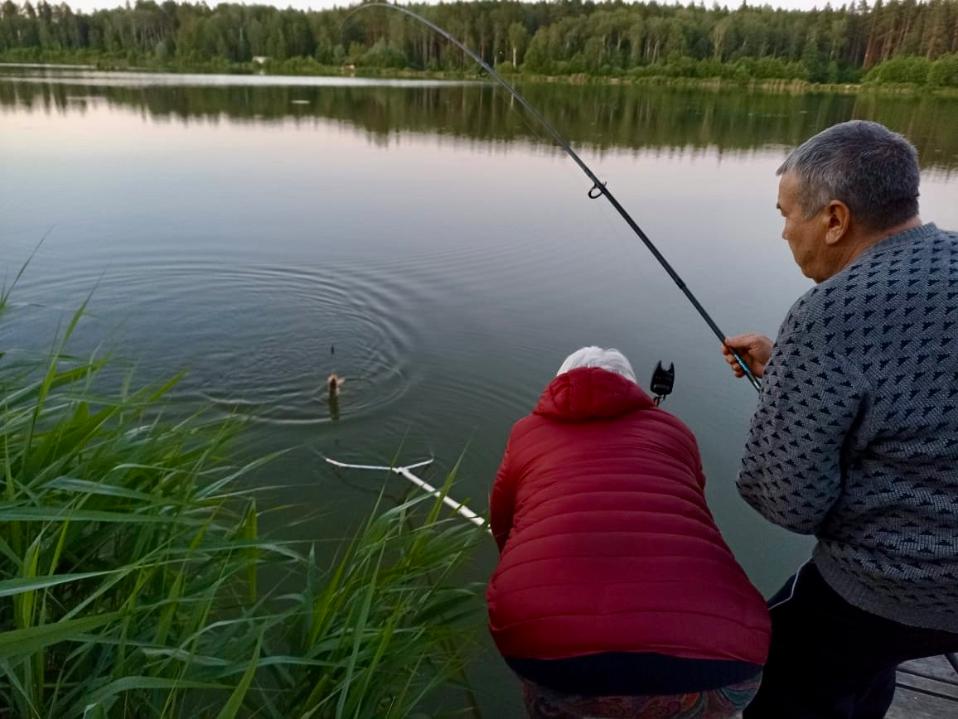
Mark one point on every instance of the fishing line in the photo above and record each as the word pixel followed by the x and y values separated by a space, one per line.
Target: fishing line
pixel 598 189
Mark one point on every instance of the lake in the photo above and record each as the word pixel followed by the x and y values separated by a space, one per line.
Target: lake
pixel 424 241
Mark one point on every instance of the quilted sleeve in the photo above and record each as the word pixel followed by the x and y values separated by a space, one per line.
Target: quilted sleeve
pixel 502 501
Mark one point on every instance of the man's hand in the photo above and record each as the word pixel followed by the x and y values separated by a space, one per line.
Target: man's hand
pixel 754 348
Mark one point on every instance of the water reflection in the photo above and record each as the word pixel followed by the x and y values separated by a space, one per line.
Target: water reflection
pixel 244 230
pixel 600 117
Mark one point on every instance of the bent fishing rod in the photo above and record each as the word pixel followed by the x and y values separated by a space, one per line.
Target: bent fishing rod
pixel 599 189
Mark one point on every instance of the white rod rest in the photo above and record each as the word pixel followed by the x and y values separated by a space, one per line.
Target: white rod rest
pixel 406 472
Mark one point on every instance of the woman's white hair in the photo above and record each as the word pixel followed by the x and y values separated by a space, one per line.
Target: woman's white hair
pixel 607 359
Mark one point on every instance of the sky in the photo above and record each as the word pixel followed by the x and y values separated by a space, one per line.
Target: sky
pixel 87 5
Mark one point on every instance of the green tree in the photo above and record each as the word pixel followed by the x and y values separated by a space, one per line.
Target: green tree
pixel 562 37
pixel 944 72
pixel 518 39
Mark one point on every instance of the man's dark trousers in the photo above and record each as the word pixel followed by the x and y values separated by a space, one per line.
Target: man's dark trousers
pixel 831 660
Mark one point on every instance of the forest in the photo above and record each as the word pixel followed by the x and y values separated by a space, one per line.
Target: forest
pixel 902 41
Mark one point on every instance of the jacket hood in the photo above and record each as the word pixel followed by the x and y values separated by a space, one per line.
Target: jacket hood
pixel 590 393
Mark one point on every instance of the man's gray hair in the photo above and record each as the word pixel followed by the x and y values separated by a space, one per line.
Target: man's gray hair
pixel 863 164
pixel 607 359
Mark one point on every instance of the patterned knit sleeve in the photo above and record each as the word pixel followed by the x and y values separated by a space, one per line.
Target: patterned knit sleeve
pixel 810 400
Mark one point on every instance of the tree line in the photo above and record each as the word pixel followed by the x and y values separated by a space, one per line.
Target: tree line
pixel 897 41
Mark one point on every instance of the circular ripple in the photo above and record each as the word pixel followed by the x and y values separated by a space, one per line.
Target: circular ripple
pixel 258 341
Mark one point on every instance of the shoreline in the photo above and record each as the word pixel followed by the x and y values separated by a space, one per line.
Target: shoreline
pixel 308 68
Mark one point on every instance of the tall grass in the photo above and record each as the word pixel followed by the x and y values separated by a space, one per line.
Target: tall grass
pixel 135 582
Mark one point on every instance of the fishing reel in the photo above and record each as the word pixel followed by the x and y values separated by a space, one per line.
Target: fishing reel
pixel 662 382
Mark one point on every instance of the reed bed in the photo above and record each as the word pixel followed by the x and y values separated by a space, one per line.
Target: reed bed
pixel 135 581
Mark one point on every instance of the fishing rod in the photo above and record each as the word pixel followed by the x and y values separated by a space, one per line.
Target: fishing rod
pixel 599 188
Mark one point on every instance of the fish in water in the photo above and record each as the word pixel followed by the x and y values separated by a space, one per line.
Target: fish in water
pixel 333 383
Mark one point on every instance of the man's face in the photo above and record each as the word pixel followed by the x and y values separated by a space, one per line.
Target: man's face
pixel 805 235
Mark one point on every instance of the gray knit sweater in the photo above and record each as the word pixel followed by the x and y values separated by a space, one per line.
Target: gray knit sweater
pixel 855 439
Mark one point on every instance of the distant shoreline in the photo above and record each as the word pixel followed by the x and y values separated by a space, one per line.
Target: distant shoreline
pixel 311 69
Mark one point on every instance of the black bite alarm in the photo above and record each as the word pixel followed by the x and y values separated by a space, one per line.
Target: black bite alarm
pixel 662 382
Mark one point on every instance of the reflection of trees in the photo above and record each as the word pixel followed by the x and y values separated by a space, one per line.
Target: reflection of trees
pixel 596 116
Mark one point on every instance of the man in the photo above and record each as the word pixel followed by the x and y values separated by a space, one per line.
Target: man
pixel 855 438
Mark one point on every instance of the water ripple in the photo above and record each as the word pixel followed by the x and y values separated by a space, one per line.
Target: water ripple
pixel 260 340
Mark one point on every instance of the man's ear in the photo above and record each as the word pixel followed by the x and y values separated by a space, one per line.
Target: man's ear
pixel 837 219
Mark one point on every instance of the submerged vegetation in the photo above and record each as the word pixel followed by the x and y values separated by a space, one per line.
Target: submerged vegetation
pixel 846 44
pixel 135 581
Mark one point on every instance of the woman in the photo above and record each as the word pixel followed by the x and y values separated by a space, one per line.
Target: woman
pixel 615 595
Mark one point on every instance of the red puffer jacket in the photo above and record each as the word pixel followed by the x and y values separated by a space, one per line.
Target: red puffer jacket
pixel 606 542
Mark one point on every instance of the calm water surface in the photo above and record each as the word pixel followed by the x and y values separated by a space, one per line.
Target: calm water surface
pixel 246 227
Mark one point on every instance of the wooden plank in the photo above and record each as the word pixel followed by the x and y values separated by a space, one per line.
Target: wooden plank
pixel 927 689
pixel 936 667
pixel 912 705
pixel 932 687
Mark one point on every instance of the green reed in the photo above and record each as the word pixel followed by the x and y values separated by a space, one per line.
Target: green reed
pixel 133 571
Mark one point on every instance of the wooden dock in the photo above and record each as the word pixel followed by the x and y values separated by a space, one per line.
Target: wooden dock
pixel 927 689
